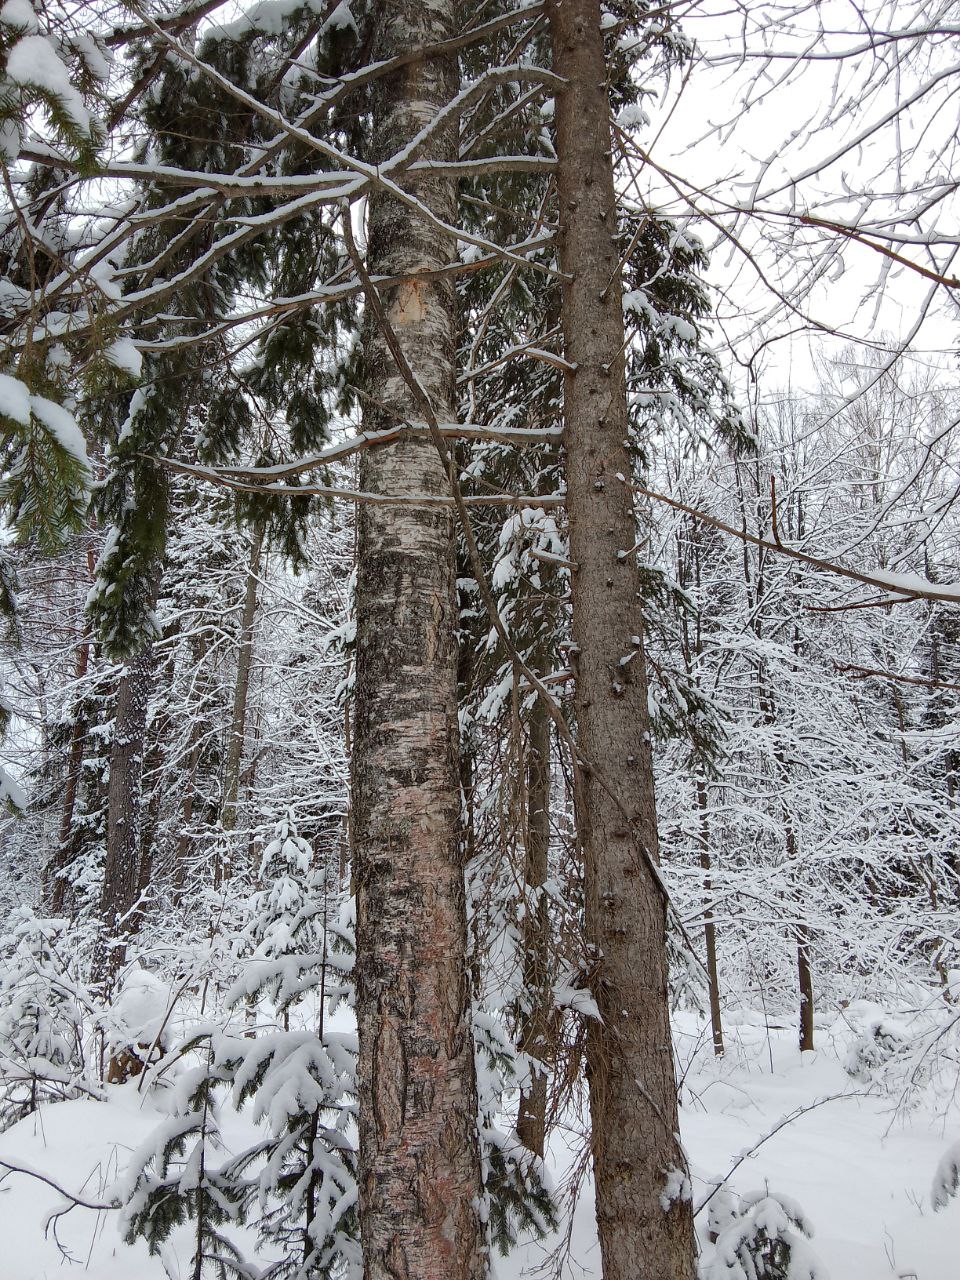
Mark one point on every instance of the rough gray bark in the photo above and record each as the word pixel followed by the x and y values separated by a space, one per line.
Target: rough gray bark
pixel 633 1100
pixel 535 1027
pixel 805 979
pixel 185 839
pixel 58 890
pixel 238 718
pixel 419 1183
pixel 121 873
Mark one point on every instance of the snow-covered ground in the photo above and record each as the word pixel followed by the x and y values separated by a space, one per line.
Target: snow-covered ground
pixel 860 1166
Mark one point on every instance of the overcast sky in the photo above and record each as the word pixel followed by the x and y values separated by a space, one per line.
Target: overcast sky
pixel 765 131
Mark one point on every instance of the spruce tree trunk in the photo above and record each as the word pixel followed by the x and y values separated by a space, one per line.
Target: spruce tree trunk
pixel 804 971
pixel 805 979
pixel 185 839
pixel 58 891
pixel 535 1027
pixel 238 719
pixel 419 1175
pixel 121 873
pixel 638 1162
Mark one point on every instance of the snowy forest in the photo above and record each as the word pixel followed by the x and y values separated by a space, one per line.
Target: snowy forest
pixel 479 640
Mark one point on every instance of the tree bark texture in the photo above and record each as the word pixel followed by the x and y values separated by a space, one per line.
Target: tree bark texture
pixel 420 1182
pixel 805 982
pixel 645 1229
pixel 236 737
pixel 58 891
pixel 241 689
pixel 709 922
pixel 121 873
pixel 535 1026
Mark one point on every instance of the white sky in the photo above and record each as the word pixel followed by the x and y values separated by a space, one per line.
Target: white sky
pixel 705 135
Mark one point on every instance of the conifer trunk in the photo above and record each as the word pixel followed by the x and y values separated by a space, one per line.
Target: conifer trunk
pixel 645 1229
pixel 419 1174
pixel 238 718
pixel 58 890
pixel 805 979
pixel 236 735
pixel 534 1038
pixel 121 872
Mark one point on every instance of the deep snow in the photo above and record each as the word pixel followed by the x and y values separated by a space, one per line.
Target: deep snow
pixel 860 1166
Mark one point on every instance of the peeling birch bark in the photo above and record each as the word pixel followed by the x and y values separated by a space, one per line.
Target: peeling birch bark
pixel 419 1183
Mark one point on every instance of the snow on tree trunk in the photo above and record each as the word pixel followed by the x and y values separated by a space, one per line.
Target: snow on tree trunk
pixel 420 1182
pixel 238 718
pixel 535 1031
pixel 121 872
pixel 58 887
pixel 805 980
pixel 709 922
pixel 643 1213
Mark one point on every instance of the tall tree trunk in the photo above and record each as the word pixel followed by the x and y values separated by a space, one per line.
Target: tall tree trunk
pixel 241 689
pixel 802 935
pixel 419 1176
pixel 535 1027
pixel 805 979
pixel 185 839
pixel 59 891
pixel 121 873
pixel 709 924
pixel 57 888
pixel 238 718
pixel 638 1163
pixel 150 821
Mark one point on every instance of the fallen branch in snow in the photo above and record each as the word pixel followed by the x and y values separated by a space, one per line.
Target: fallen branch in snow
pixel 73 1202
pixel 76 1202
pixel 781 1124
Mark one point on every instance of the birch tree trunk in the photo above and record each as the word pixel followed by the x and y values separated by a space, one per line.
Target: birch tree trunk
pixel 645 1228
pixel 419 1184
